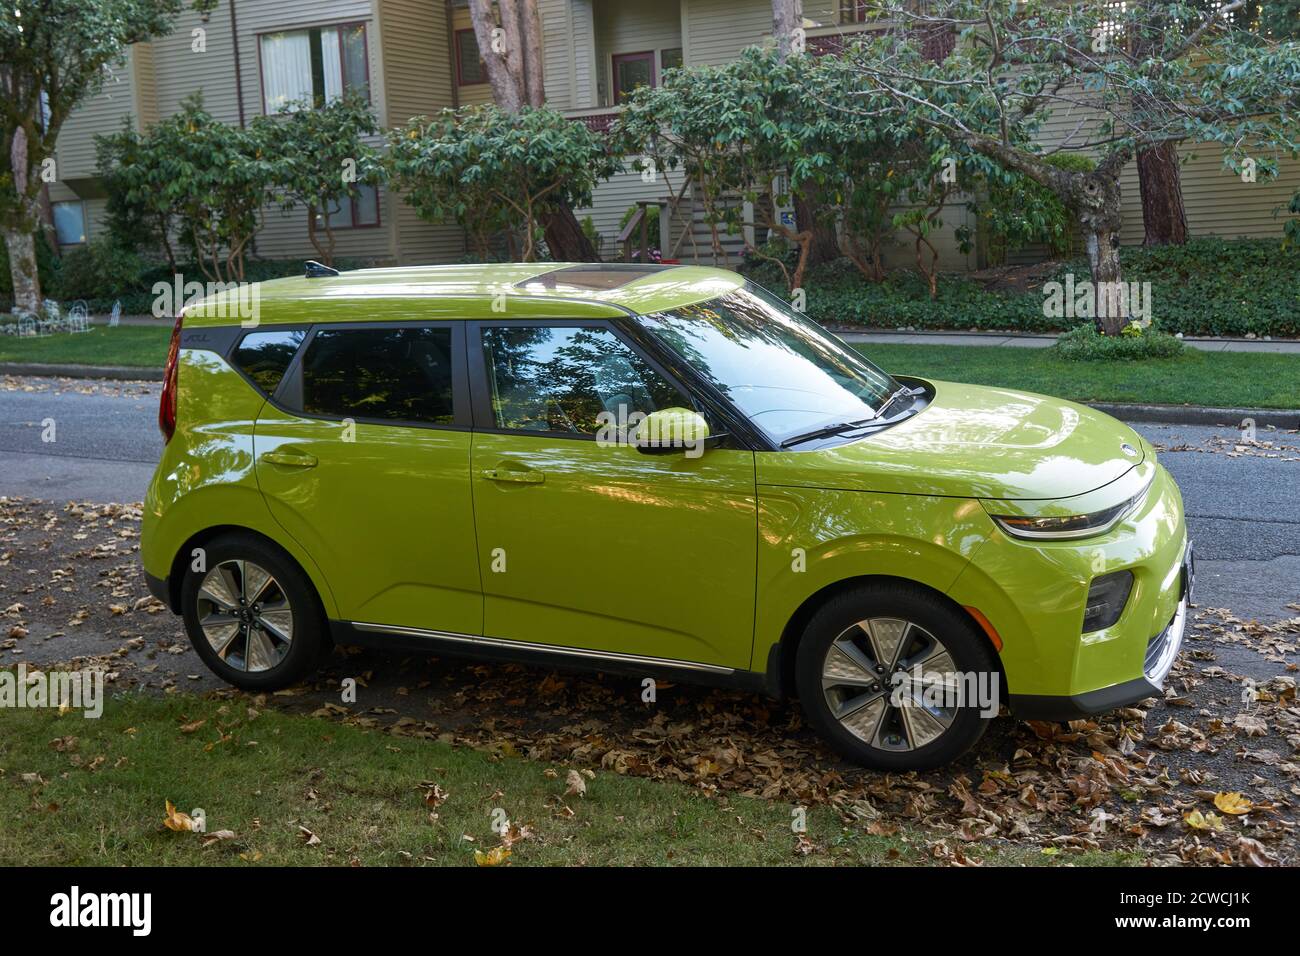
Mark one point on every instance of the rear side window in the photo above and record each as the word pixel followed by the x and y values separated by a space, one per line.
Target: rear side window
pixel 264 356
pixel 389 374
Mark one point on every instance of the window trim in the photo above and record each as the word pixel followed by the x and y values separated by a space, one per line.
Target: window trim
pixel 480 385
pixel 287 397
pixel 614 59
pixel 460 76
pixel 343 65
pixel 85 222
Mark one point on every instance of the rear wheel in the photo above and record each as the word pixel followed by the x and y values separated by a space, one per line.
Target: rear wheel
pixel 895 679
pixel 252 614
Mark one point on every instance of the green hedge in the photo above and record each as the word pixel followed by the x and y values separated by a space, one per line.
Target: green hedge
pixel 1207 287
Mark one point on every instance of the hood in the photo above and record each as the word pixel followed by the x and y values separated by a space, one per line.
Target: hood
pixel 973 442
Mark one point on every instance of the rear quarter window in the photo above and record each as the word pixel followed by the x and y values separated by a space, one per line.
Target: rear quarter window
pixel 264 356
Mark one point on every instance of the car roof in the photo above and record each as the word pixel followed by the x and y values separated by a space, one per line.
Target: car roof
pixel 487 291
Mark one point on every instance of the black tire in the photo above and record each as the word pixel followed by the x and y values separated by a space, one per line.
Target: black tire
pixel 939 622
pixel 309 631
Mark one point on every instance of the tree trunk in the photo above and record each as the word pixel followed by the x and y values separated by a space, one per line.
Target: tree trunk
pixel 531 28
pixel 507 87
pixel 565 238
pixel 1103 259
pixel 1095 197
pixel 1164 219
pixel 21 226
pixel 787 16
pixel 22 268
pixel 824 245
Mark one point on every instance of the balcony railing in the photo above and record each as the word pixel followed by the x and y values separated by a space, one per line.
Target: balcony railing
pixel 597 120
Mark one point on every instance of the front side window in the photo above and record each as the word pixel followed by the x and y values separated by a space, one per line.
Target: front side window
pixel 70 222
pixel 265 356
pixel 314 66
pixel 561 379
pixel 400 375
pixel 784 372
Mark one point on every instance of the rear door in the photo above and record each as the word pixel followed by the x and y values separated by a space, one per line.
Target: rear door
pixel 593 546
pixel 363 456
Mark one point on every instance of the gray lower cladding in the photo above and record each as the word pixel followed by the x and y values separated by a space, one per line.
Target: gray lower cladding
pixel 396 637
pixel 1162 649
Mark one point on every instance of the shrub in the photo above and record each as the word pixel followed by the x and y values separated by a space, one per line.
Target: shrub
pixel 1135 343
pixel 98 269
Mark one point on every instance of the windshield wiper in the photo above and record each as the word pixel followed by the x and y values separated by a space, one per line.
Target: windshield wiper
pixel 901 390
pixel 826 430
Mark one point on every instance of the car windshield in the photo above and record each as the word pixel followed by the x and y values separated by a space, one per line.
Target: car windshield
pixel 786 373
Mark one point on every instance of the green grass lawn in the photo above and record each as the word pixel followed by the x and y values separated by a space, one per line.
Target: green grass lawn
pixel 1232 379
pixel 134 345
pixel 265 775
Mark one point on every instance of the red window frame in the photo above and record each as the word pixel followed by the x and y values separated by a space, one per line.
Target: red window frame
pixel 460 65
pixel 616 58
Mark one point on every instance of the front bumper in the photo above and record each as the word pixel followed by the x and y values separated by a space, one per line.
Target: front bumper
pixel 1034 593
pixel 1162 650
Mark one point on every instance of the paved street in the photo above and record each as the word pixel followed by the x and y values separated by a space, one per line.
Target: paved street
pixel 1243 507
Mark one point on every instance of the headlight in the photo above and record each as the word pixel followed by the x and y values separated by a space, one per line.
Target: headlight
pixel 1106 599
pixel 1072 526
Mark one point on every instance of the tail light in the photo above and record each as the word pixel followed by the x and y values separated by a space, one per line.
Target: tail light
pixel 167 404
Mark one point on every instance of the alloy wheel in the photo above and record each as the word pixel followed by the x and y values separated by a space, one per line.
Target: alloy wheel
pixel 245 615
pixel 891 683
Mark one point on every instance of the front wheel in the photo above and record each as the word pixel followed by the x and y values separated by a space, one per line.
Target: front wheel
pixel 895 679
pixel 252 614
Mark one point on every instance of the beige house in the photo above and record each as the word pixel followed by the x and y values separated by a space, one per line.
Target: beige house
pixel 417 56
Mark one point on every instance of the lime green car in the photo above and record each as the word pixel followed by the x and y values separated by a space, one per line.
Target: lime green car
pixel 660 471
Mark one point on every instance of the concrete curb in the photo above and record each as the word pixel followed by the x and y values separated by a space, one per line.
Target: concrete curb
pixel 1167 414
pixel 1286 418
pixel 114 372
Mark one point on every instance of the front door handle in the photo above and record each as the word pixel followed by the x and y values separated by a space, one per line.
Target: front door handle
pixel 523 477
pixel 292 459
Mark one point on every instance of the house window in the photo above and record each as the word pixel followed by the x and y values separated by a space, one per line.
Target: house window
pixel 356 212
pixel 70 222
pixel 632 70
pixel 314 66
pixel 670 59
pixel 470 69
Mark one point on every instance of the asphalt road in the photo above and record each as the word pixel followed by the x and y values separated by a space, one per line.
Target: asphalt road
pixel 1243 507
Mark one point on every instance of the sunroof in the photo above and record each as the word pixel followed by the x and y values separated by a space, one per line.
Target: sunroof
pixel 593 277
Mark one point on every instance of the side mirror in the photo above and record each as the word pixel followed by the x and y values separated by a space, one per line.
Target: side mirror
pixel 670 430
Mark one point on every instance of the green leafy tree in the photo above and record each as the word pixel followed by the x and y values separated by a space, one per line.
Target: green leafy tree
pixel 319 159
pixel 197 178
pixel 748 133
pixel 1208 79
pixel 484 167
pixel 53 56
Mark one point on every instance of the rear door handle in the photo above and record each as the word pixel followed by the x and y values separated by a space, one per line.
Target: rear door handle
pixel 523 477
pixel 291 459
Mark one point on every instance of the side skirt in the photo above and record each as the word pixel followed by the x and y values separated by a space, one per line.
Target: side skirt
pixel 443 643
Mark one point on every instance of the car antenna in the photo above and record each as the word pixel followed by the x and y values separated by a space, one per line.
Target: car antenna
pixel 317 270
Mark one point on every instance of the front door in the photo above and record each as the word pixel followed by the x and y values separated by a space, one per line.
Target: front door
pixel 364 458
pixel 588 543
